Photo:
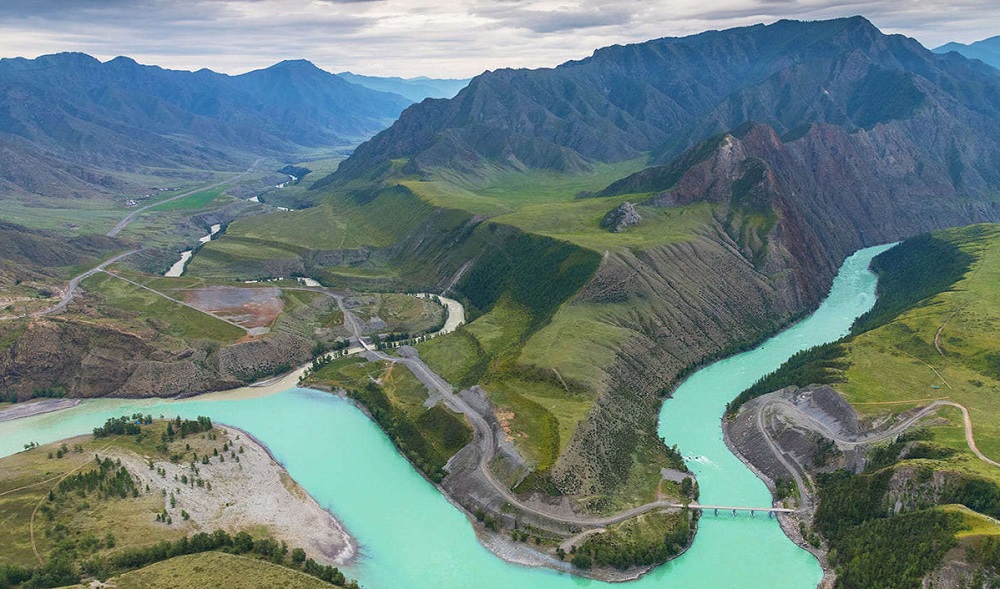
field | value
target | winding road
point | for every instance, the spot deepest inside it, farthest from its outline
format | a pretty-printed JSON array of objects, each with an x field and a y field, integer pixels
[
  {"x": 73, "y": 284},
  {"x": 485, "y": 437},
  {"x": 780, "y": 405},
  {"x": 131, "y": 216}
]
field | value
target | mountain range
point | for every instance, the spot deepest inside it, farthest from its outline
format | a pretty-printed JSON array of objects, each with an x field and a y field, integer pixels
[
  {"x": 69, "y": 124},
  {"x": 794, "y": 143},
  {"x": 414, "y": 89},
  {"x": 987, "y": 50}
]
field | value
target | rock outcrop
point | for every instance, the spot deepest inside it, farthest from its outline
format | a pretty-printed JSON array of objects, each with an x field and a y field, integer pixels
[{"x": 621, "y": 218}]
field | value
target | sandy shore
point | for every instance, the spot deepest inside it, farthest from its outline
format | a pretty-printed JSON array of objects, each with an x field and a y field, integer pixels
[
  {"x": 247, "y": 491},
  {"x": 29, "y": 408}
]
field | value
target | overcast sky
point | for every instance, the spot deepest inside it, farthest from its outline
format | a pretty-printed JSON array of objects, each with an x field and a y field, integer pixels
[{"x": 450, "y": 38}]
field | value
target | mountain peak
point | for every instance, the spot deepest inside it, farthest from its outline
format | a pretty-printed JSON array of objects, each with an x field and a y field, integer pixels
[
  {"x": 75, "y": 58},
  {"x": 295, "y": 64}
]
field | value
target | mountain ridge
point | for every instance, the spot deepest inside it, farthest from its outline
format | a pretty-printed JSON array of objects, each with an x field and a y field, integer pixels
[
  {"x": 986, "y": 50},
  {"x": 121, "y": 116},
  {"x": 662, "y": 97}
]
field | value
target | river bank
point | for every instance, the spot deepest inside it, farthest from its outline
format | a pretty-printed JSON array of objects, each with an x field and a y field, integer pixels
[
  {"x": 36, "y": 407},
  {"x": 404, "y": 524}
]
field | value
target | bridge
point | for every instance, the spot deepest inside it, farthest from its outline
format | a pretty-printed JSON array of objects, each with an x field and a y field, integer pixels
[{"x": 735, "y": 508}]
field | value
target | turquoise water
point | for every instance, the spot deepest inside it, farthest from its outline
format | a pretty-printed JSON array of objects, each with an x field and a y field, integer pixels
[{"x": 412, "y": 538}]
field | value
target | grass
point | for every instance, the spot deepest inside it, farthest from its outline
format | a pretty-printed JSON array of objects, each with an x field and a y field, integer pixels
[
  {"x": 161, "y": 314},
  {"x": 891, "y": 367},
  {"x": 455, "y": 356},
  {"x": 251, "y": 245},
  {"x": 973, "y": 523},
  {"x": 499, "y": 191},
  {"x": 578, "y": 222},
  {"x": 428, "y": 436},
  {"x": 409, "y": 314},
  {"x": 34, "y": 474},
  {"x": 198, "y": 200},
  {"x": 596, "y": 338},
  {"x": 82, "y": 524},
  {"x": 217, "y": 570}
]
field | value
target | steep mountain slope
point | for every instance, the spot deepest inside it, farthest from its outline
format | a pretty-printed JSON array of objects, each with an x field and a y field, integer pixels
[
  {"x": 987, "y": 50},
  {"x": 69, "y": 123},
  {"x": 415, "y": 89},
  {"x": 776, "y": 151},
  {"x": 664, "y": 96}
]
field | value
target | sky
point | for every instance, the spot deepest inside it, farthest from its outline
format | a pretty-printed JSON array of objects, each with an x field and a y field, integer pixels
[{"x": 435, "y": 38}]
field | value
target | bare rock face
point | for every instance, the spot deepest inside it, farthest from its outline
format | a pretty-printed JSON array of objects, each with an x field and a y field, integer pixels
[{"x": 621, "y": 218}]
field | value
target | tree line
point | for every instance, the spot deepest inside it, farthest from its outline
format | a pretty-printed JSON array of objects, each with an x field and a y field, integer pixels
[{"x": 59, "y": 570}]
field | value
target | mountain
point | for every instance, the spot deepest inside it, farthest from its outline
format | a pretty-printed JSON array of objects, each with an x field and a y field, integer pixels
[
  {"x": 415, "y": 89},
  {"x": 69, "y": 123},
  {"x": 756, "y": 159},
  {"x": 664, "y": 96},
  {"x": 986, "y": 51}
]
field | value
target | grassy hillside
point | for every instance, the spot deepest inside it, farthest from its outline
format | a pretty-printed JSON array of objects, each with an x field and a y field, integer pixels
[
  {"x": 70, "y": 510},
  {"x": 943, "y": 347},
  {"x": 930, "y": 337},
  {"x": 217, "y": 570}
]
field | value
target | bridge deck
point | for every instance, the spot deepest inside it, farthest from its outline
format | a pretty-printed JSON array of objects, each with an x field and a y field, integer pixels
[{"x": 741, "y": 508}]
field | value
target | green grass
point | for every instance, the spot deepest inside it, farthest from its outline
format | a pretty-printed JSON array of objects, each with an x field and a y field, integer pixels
[
  {"x": 596, "y": 342},
  {"x": 164, "y": 315},
  {"x": 217, "y": 570},
  {"x": 974, "y": 524},
  {"x": 578, "y": 222},
  {"x": 498, "y": 191},
  {"x": 455, "y": 356},
  {"x": 251, "y": 245},
  {"x": 395, "y": 398},
  {"x": 27, "y": 477},
  {"x": 890, "y": 367},
  {"x": 198, "y": 200}
]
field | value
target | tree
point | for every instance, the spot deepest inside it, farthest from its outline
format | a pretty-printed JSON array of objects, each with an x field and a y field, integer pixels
[{"x": 298, "y": 556}]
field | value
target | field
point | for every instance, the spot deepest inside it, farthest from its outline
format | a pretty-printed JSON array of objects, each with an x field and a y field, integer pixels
[
  {"x": 27, "y": 477},
  {"x": 897, "y": 366},
  {"x": 167, "y": 316},
  {"x": 401, "y": 313},
  {"x": 196, "y": 201},
  {"x": 579, "y": 222},
  {"x": 88, "y": 507}
]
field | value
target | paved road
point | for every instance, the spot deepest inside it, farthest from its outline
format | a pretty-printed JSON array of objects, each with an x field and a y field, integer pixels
[
  {"x": 800, "y": 417},
  {"x": 484, "y": 436},
  {"x": 73, "y": 284},
  {"x": 131, "y": 216}
]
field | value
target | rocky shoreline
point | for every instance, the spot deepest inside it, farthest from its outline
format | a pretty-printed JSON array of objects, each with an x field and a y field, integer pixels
[
  {"x": 40, "y": 407},
  {"x": 789, "y": 522}
]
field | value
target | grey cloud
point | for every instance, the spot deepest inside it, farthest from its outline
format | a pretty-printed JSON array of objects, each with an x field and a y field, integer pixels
[{"x": 413, "y": 37}]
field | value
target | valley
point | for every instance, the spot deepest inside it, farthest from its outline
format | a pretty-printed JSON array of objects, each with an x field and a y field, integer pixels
[{"x": 610, "y": 254}]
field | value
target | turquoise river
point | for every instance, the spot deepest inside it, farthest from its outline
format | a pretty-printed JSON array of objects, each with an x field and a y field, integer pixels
[{"x": 410, "y": 537}]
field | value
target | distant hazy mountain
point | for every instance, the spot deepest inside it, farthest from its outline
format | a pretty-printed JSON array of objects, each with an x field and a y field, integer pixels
[
  {"x": 987, "y": 50},
  {"x": 68, "y": 122},
  {"x": 416, "y": 89}
]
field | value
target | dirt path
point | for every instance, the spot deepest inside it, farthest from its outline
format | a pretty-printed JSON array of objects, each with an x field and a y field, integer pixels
[
  {"x": 121, "y": 225},
  {"x": 31, "y": 522},
  {"x": 73, "y": 284},
  {"x": 802, "y": 418},
  {"x": 969, "y": 437}
]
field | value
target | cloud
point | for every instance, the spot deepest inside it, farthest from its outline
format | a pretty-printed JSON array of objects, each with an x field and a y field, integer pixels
[{"x": 426, "y": 37}]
